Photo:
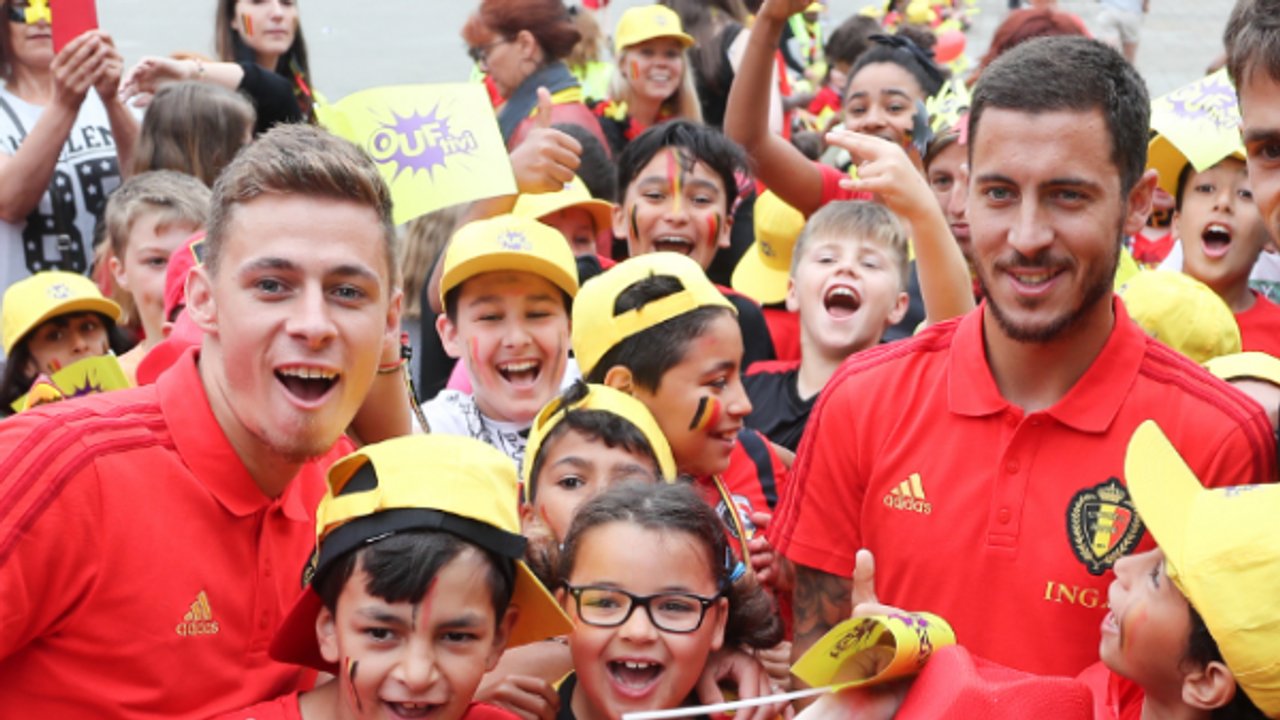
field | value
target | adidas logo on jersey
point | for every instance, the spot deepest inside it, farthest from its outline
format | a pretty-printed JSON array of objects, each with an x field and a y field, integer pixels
[
  {"x": 909, "y": 496},
  {"x": 199, "y": 619}
]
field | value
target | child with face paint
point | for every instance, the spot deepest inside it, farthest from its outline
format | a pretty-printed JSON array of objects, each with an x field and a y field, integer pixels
[
  {"x": 678, "y": 187},
  {"x": 1192, "y": 629},
  {"x": 652, "y": 81},
  {"x": 507, "y": 287},
  {"x": 415, "y": 588},
  {"x": 589, "y": 439},
  {"x": 51, "y": 320},
  {"x": 647, "y": 576}
]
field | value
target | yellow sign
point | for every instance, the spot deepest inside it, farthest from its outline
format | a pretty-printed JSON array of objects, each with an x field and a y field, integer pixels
[
  {"x": 871, "y": 650},
  {"x": 101, "y": 373},
  {"x": 1198, "y": 124},
  {"x": 435, "y": 145}
]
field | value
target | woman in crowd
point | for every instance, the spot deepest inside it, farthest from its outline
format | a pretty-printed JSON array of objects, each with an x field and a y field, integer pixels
[
  {"x": 522, "y": 45},
  {"x": 64, "y": 138},
  {"x": 261, "y": 52}
]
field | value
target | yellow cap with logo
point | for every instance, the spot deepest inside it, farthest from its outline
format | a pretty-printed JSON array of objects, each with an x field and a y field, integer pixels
[
  {"x": 597, "y": 329},
  {"x": 647, "y": 22},
  {"x": 511, "y": 243},
  {"x": 765, "y": 268},
  {"x": 1222, "y": 550},
  {"x": 46, "y": 295},
  {"x": 574, "y": 195},
  {"x": 443, "y": 483},
  {"x": 604, "y": 399}
]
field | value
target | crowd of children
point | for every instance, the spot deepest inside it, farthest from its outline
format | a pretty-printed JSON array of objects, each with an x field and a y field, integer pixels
[{"x": 776, "y": 330}]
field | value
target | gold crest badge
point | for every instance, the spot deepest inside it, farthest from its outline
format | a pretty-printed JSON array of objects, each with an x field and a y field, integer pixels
[{"x": 1103, "y": 525}]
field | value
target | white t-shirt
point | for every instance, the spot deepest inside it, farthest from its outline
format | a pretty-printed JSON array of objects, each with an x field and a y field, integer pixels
[
  {"x": 58, "y": 234},
  {"x": 455, "y": 413}
]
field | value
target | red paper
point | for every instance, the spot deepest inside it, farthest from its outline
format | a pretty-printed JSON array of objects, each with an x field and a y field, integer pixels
[{"x": 71, "y": 19}]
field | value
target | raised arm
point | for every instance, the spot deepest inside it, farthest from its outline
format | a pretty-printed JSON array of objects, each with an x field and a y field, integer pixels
[
  {"x": 25, "y": 175},
  {"x": 124, "y": 125},
  {"x": 885, "y": 169},
  {"x": 776, "y": 162}
]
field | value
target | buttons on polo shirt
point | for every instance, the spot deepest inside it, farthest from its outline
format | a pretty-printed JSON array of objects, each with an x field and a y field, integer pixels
[
  {"x": 1011, "y": 419},
  {"x": 1012, "y": 466},
  {"x": 1004, "y": 516}
]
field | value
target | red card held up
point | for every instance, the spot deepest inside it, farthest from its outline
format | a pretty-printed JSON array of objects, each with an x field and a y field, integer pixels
[{"x": 71, "y": 19}]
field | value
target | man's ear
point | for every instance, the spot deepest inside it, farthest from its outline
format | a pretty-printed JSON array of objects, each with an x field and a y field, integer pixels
[
  {"x": 1209, "y": 687},
  {"x": 201, "y": 305},
  {"x": 620, "y": 378},
  {"x": 394, "y": 310},
  {"x": 1141, "y": 201},
  {"x": 327, "y": 635},
  {"x": 448, "y": 336},
  {"x": 500, "y": 635}
]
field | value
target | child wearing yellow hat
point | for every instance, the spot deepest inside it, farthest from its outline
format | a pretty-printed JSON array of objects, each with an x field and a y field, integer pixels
[
  {"x": 415, "y": 588},
  {"x": 507, "y": 287},
  {"x": 51, "y": 320}
]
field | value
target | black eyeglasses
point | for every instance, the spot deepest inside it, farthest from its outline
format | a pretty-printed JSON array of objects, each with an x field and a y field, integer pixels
[
  {"x": 480, "y": 55},
  {"x": 18, "y": 13},
  {"x": 611, "y": 607}
]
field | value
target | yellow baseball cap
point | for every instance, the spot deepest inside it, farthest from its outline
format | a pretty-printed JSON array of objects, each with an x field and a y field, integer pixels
[
  {"x": 596, "y": 329},
  {"x": 605, "y": 399},
  {"x": 765, "y": 268},
  {"x": 1246, "y": 366},
  {"x": 646, "y": 23},
  {"x": 1222, "y": 550},
  {"x": 574, "y": 195},
  {"x": 1167, "y": 160},
  {"x": 512, "y": 243},
  {"x": 412, "y": 483},
  {"x": 46, "y": 295},
  {"x": 1183, "y": 313},
  {"x": 1196, "y": 124}
]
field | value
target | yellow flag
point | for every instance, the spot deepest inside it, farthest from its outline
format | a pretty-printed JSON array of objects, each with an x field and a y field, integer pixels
[
  {"x": 100, "y": 373},
  {"x": 1198, "y": 124},
  {"x": 435, "y": 145},
  {"x": 872, "y": 650}
]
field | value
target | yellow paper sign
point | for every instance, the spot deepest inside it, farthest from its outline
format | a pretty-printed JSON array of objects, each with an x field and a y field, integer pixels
[
  {"x": 101, "y": 373},
  {"x": 435, "y": 145},
  {"x": 1198, "y": 124},
  {"x": 875, "y": 649}
]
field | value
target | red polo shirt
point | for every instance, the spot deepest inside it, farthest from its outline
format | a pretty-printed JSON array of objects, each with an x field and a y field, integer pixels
[
  {"x": 1260, "y": 326},
  {"x": 1006, "y": 523},
  {"x": 142, "y": 572}
]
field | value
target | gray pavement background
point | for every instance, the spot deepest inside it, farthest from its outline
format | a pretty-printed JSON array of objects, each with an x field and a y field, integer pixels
[{"x": 355, "y": 44}]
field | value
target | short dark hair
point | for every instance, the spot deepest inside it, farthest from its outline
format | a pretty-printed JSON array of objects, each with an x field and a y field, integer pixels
[
  {"x": 595, "y": 169},
  {"x": 613, "y": 430},
  {"x": 1202, "y": 649},
  {"x": 1252, "y": 38},
  {"x": 753, "y": 618},
  {"x": 847, "y": 42},
  {"x": 906, "y": 54},
  {"x": 401, "y": 567},
  {"x": 699, "y": 142},
  {"x": 1051, "y": 74},
  {"x": 650, "y": 353}
]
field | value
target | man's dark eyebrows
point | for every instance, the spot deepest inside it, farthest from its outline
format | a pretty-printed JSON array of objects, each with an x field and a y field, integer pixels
[
  {"x": 1258, "y": 135},
  {"x": 268, "y": 263},
  {"x": 354, "y": 271},
  {"x": 1073, "y": 182}
]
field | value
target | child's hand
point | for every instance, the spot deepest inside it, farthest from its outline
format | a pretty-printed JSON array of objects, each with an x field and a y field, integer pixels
[
  {"x": 763, "y": 557},
  {"x": 777, "y": 664},
  {"x": 547, "y": 159},
  {"x": 782, "y": 10},
  {"x": 746, "y": 675},
  {"x": 529, "y": 697},
  {"x": 884, "y": 168}
]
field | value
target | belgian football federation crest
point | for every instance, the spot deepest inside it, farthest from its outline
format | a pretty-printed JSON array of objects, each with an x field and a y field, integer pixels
[{"x": 1103, "y": 525}]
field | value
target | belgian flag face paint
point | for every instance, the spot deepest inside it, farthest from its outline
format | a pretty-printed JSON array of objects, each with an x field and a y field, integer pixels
[{"x": 707, "y": 414}]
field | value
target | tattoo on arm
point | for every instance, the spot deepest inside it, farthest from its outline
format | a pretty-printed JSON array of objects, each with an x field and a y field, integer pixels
[{"x": 820, "y": 602}]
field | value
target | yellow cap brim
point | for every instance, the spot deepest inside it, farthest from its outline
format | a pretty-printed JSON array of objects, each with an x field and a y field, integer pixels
[
  {"x": 508, "y": 262},
  {"x": 84, "y": 304},
  {"x": 1163, "y": 489}
]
